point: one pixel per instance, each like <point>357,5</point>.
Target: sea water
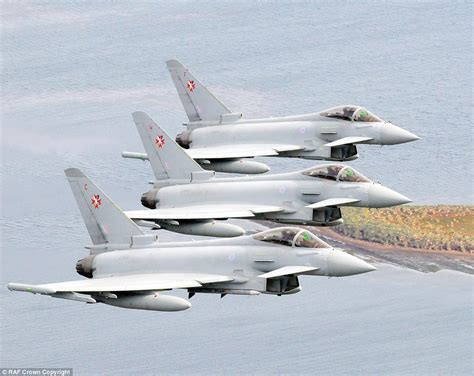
<point>74,71</point>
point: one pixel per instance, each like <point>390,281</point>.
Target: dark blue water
<point>74,71</point>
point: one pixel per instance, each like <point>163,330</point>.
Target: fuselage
<point>293,192</point>
<point>135,276</point>
<point>243,259</point>
<point>311,132</point>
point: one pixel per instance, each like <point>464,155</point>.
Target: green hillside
<point>442,227</point>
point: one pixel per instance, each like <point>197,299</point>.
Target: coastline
<point>423,260</point>
<point>427,261</point>
<point>439,227</point>
<point>330,233</point>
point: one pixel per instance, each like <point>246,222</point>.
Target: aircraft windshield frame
<point>348,174</point>
<point>337,173</point>
<point>308,240</point>
<point>325,171</point>
<point>351,113</point>
<point>365,116</point>
<point>280,235</point>
<point>291,237</point>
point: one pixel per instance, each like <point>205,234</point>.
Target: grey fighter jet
<point>189,200</point>
<point>129,269</point>
<point>219,139</point>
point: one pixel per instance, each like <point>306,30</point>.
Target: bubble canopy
<point>336,172</point>
<point>351,113</point>
<point>291,237</point>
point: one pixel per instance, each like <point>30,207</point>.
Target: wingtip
<point>35,289</point>
<point>14,286</point>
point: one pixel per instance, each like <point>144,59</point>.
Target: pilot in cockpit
<point>348,112</point>
<point>289,236</point>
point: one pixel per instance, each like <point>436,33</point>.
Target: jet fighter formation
<point>129,268</point>
<point>188,199</point>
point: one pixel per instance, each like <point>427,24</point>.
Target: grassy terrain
<point>443,227</point>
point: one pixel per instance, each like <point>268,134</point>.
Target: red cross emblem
<point>191,85</point>
<point>160,141</point>
<point>96,201</point>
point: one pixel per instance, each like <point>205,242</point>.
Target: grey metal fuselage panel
<point>242,262</point>
<point>309,133</point>
<point>275,190</point>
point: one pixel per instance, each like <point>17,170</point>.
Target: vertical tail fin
<point>104,220</point>
<point>198,102</point>
<point>168,160</point>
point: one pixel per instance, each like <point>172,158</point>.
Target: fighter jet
<point>129,269</point>
<point>187,199</point>
<point>219,139</point>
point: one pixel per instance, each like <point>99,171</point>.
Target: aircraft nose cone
<point>382,197</point>
<point>392,135</point>
<point>341,264</point>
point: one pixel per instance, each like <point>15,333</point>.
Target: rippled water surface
<point>74,71</point>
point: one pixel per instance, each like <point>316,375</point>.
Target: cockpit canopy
<point>336,172</point>
<point>291,237</point>
<point>351,113</point>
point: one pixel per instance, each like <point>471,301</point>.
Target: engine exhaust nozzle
<point>149,199</point>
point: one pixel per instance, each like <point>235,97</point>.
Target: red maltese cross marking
<point>96,201</point>
<point>160,141</point>
<point>191,85</point>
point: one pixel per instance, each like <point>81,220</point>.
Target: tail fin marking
<point>104,220</point>
<point>168,160</point>
<point>198,102</point>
